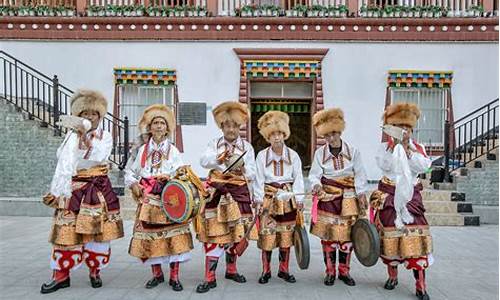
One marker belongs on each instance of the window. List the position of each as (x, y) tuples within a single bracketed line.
[(135, 98), (288, 90), (432, 103)]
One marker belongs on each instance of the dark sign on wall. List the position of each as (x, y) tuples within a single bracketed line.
[(192, 113)]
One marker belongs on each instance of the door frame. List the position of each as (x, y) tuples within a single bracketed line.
[(314, 55)]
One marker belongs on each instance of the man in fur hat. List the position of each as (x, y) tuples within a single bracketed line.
[(339, 180), (228, 211), (400, 219), (279, 170), (156, 240), (87, 217)]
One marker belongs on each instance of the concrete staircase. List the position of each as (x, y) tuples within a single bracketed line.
[(448, 208), (479, 182), (28, 158)]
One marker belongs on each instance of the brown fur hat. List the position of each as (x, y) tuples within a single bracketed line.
[(401, 114), (84, 100), (273, 121), (154, 111), (329, 120), (230, 110)]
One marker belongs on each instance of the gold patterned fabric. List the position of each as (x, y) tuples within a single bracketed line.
[(338, 210), (160, 240), (412, 242), (154, 235), (91, 222), (277, 226), (224, 224), (71, 229)]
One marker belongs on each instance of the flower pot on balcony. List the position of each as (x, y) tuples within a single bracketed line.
[(404, 14), (203, 13), (449, 14), (190, 13), (369, 14), (31, 13), (376, 14)]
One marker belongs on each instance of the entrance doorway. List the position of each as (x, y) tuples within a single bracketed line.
[(294, 98)]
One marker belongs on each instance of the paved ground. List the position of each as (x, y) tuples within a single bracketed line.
[(466, 267)]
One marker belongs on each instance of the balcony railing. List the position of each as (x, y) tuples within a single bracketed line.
[(251, 8)]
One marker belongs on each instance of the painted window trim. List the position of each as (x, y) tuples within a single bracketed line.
[(446, 78), (148, 77)]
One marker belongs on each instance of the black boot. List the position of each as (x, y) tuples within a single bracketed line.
[(236, 277), (96, 282), (154, 282), (421, 293), (330, 260), (344, 265), (391, 284), (329, 280), (347, 279), (287, 277), (284, 257), (206, 286), (231, 267), (176, 285), (264, 278), (53, 286)]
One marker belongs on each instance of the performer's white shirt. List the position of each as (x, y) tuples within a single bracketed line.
[(98, 154), (347, 163), (217, 146), (172, 161), (418, 162), (267, 160)]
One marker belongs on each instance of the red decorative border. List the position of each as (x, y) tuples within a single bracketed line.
[(229, 28)]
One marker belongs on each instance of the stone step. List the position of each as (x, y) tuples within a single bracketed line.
[(471, 220), (442, 195), (487, 214), (445, 219), (444, 186), (440, 207)]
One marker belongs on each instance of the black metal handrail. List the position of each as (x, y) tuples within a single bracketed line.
[(45, 99), (471, 137)]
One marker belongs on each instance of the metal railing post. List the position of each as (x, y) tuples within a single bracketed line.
[(446, 151), (55, 96), (125, 143)]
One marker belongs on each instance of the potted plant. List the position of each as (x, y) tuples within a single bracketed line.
[(415, 11), (204, 11), (343, 10), (258, 11), (180, 11), (397, 11), (405, 11), (22, 11), (478, 10), (363, 11)]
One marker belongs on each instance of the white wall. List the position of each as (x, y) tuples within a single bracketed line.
[(354, 76)]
